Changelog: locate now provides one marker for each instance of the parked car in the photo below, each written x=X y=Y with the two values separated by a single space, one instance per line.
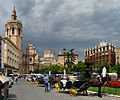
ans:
x=4 y=87
x=29 y=78
x=11 y=83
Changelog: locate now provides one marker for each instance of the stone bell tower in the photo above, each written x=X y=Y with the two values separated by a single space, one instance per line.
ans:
x=13 y=30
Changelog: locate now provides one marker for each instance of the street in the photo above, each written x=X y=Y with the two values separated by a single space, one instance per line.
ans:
x=23 y=90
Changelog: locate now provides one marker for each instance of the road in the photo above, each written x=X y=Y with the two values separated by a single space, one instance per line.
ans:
x=23 y=90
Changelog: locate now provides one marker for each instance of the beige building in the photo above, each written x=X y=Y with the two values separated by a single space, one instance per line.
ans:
x=61 y=58
x=31 y=60
x=13 y=30
x=49 y=59
x=117 y=56
x=0 y=52
x=10 y=57
x=24 y=63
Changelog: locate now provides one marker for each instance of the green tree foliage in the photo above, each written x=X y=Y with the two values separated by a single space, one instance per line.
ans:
x=79 y=67
x=54 y=68
x=42 y=71
x=115 y=69
x=87 y=70
x=70 y=59
x=104 y=64
x=61 y=69
x=88 y=67
x=36 y=71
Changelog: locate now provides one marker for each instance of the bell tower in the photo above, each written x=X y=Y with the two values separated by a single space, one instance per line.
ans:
x=13 y=30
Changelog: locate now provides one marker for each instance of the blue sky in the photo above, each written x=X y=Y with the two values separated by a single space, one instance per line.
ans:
x=58 y=24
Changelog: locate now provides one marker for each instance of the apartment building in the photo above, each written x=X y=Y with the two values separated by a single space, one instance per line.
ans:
x=117 y=56
x=104 y=52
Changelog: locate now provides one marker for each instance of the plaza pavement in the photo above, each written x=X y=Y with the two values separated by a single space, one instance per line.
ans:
x=23 y=90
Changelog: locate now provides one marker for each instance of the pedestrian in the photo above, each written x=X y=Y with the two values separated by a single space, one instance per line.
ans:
x=16 y=79
x=50 y=82
x=46 y=80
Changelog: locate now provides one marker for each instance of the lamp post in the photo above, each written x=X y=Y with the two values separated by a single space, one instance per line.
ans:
x=64 y=51
x=2 y=54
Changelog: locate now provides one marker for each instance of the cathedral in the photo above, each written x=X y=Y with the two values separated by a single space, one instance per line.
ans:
x=13 y=31
x=31 y=60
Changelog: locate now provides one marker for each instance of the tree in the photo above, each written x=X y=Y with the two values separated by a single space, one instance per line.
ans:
x=70 y=59
x=54 y=68
x=115 y=69
x=88 y=69
x=101 y=65
x=36 y=71
x=61 y=69
x=88 y=66
x=79 y=67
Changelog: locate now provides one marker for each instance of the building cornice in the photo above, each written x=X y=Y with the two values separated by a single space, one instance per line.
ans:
x=6 y=38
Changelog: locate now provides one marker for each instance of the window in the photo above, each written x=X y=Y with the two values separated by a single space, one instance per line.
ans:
x=107 y=47
x=18 y=31
x=118 y=58
x=13 y=30
x=97 y=50
x=103 y=48
x=30 y=59
x=7 y=31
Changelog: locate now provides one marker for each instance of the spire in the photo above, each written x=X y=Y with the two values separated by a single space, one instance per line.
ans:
x=13 y=16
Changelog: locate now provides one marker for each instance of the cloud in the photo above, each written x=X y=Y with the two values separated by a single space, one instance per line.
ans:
x=57 y=24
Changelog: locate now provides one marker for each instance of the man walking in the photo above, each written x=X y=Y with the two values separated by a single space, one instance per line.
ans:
x=16 y=79
x=46 y=80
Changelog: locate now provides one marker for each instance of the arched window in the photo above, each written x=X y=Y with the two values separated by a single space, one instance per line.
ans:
x=18 y=31
x=30 y=59
x=12 y=30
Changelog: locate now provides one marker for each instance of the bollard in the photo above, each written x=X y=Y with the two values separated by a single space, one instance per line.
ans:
x=31 y=81
x=36 y=83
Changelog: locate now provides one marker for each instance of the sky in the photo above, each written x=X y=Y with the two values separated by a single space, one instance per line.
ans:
x=58 y=24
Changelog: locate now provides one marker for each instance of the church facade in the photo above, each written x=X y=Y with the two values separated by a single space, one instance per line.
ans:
x=31 y=60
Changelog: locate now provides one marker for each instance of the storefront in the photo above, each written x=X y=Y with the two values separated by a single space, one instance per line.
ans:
x=10 y=70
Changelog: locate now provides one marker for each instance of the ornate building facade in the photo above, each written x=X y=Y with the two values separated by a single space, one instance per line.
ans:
x=13 y=30
x=0 y=52
x=31 y=60
x=63 y=57
x=48 y=59
x=104 y=52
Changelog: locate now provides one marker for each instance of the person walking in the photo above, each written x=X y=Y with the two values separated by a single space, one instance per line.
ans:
x=46 y=80
x=50 y=81
x=16 y=79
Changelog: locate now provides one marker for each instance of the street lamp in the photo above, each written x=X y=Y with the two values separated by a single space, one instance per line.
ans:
x=2 y=54
x=64 y=51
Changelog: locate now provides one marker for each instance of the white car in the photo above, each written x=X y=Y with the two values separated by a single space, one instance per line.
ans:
x=11 y=83
x=29 y=78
